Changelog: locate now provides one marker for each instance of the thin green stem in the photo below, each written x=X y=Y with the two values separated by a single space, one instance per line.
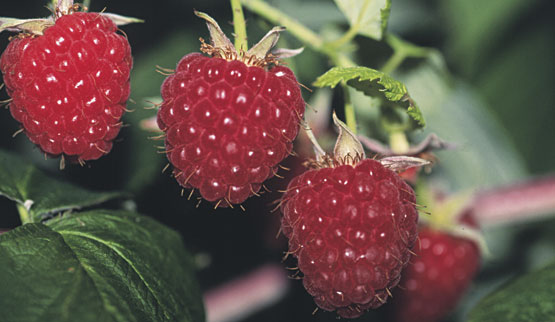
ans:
x=87 y=3
x=24 y=215
x=239 y=26
x=398 y=142
x=310 y=39
x=401 y=50
x=347 y=37
x=350 y=116
x=275 y=16
x=353 y=30
x=394 y=62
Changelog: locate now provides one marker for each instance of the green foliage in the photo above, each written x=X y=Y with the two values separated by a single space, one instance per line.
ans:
x=366 y=17
x=528 y=298
x=454 y=111
x=40 y=195
x=375 y=84
x=97 y=266
x=477 y=27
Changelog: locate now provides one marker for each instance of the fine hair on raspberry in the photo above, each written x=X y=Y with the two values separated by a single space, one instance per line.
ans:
x=351 y=228
x=69 y=86
x=228 y=125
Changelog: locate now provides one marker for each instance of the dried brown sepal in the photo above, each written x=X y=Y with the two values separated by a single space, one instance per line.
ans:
x=401 y=163
x=262 y=49
x=259 y=55
x=217 y=37
x=25 y=26
x=430 y=143
x=229 y=55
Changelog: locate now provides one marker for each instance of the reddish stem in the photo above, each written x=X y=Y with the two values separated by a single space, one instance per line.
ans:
x=246 y=295
x=519 y=202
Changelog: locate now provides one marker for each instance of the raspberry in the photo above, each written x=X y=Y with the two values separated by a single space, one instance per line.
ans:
x=228 y=125
x=439 y=273
x=69 y=86
x=351 y=228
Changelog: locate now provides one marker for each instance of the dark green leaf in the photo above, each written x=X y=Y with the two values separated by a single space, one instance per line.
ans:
x=367 y=17
x=478 y=28
x=528 y=298
x=97 y=266
x=39 y=194
x=373 y=83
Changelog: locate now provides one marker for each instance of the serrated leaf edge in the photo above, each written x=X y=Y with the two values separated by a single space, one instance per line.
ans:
x=344 y=74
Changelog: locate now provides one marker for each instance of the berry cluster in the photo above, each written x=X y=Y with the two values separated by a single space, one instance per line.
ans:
x=70 y=85
x=228 y=125
x=351 y=229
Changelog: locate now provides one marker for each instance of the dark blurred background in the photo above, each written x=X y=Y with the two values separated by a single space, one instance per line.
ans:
x=490 y=88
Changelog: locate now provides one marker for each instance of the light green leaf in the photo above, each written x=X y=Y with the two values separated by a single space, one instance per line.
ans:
x=41 y=195
x=368 y=17
x=97 y=266
x=373 y=83
x=528 y=298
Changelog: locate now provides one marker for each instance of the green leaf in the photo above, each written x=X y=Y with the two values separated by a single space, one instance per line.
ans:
x=97 y=266
x=368 y=17
x=373 y=83
x=528 y=298
x=41 y=195
x=457 y=114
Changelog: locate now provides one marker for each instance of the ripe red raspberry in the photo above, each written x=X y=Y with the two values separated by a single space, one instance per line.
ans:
x=436 y=278
x=351 y=229
x=70 y=85
x=228 y=125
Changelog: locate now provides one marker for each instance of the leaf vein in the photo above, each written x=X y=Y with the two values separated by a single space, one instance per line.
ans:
x=119 y=253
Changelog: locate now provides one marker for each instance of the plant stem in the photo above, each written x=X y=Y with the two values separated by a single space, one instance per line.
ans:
x=24 y=215
x=314 y=41
x=239 y=26
x=350 y=117
x=353 y=30
x=298 y=30
x=398 y=142
x=401 y=50
x=518 y=202
x=394 y=62
x=294 y=27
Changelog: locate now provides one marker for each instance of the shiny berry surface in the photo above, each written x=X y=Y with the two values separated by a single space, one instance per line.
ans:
x=228 y=125
x=351 y=229
x=69 y=87
x=436 y=278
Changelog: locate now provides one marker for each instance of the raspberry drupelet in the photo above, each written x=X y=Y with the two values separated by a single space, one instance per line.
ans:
x=229 y=120
x=351 y=228
x=69 y=86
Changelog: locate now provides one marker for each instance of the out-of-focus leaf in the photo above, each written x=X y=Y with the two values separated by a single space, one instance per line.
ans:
x=525 y=107
x=373 y=83
x=41 y=195
x=528 y=298
x=97 y=266
x=477 y=27
x=367 y=17
x=484 y=156
x=314 y=14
